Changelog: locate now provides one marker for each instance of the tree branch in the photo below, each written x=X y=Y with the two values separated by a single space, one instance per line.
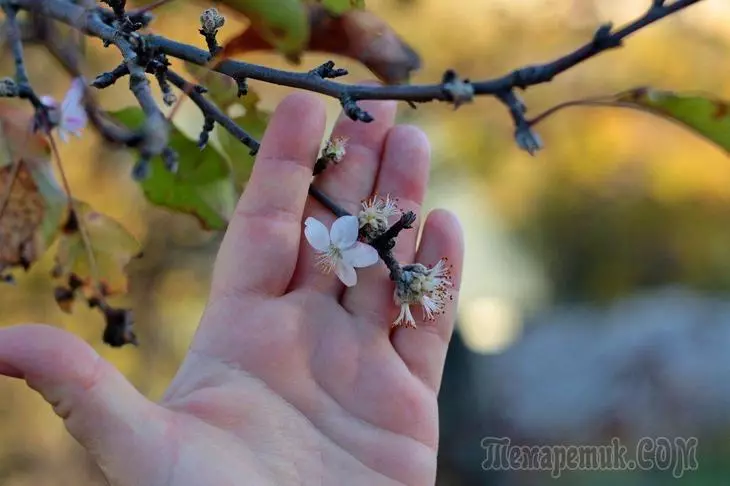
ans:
x=604 y=39
x=67 y=55
x=90 y=21
x=144 y=54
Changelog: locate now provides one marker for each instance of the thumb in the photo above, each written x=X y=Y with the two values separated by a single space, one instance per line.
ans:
x=100 y=408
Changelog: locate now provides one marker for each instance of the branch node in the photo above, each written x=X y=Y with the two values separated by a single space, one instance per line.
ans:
x=456 y=90
x=604 y=38
x=160 y=70
x=242 y=86
x=349 y=106
x=530 y=75
x=327 y=70
x=141 y=169
x=8 y=88
x=170 y=159
x=526 y=138
x=104 y=80
x=208 y=125
x=385 y=243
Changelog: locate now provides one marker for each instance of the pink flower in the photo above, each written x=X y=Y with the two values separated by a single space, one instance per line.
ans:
x=70 y=117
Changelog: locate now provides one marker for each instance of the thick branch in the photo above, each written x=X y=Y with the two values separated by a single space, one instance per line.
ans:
x=209 y=109
x=521 y=78
x=604 y=40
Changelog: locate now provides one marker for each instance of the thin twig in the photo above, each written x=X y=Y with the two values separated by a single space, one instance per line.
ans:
x=212 y=111
x=81 y=224
x=327 y=202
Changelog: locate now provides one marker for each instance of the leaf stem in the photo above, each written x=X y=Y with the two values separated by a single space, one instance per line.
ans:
x=81 y=223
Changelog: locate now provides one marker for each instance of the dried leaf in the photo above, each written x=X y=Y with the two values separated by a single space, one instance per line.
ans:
x=35 y=206
x=357 y=34
x=64 y=297
x=27 y=226
x=203 y=184
x=112 y=246
x=118 y=330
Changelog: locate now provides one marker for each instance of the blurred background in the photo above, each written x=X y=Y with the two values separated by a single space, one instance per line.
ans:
x=596 y=299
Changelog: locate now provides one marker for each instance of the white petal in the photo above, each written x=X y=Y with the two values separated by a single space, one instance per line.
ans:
x=74 y=121
x=317 y=234
x=344 y=231
x=49 y=101
x=346 y=273
x=75 y=93
x=360 y=255
x=73 y=114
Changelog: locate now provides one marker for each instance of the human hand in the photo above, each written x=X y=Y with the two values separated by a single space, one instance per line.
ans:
x=291 y=378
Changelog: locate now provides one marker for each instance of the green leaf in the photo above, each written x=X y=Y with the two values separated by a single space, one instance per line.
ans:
x=254 y=121
x=203 y=185
x=706 y=115
x=339 y=7
x=284 y=24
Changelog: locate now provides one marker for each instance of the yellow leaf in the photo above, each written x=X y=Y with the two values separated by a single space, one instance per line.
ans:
x=111 y=244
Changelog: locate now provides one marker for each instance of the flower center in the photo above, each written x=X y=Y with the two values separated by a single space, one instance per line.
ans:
x=328 y=260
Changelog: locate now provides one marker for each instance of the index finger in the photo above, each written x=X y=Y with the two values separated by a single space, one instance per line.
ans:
x=259 y=251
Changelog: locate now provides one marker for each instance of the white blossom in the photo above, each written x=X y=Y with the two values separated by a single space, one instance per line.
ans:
x=70 y=117
x=338 y=249
x=373 y=216
x=335 y=149
x=424 y=286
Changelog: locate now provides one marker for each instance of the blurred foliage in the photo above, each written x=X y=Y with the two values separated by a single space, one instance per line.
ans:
x=617 y=201
x=202 y=185
x=282 y=24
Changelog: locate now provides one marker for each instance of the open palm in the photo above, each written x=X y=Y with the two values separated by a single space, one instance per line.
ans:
x=292 y=378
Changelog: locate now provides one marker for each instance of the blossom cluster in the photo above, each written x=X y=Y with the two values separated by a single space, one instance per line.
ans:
x=340 y=250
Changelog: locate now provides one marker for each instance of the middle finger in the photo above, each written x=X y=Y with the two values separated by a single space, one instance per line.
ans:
x=347 y=183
